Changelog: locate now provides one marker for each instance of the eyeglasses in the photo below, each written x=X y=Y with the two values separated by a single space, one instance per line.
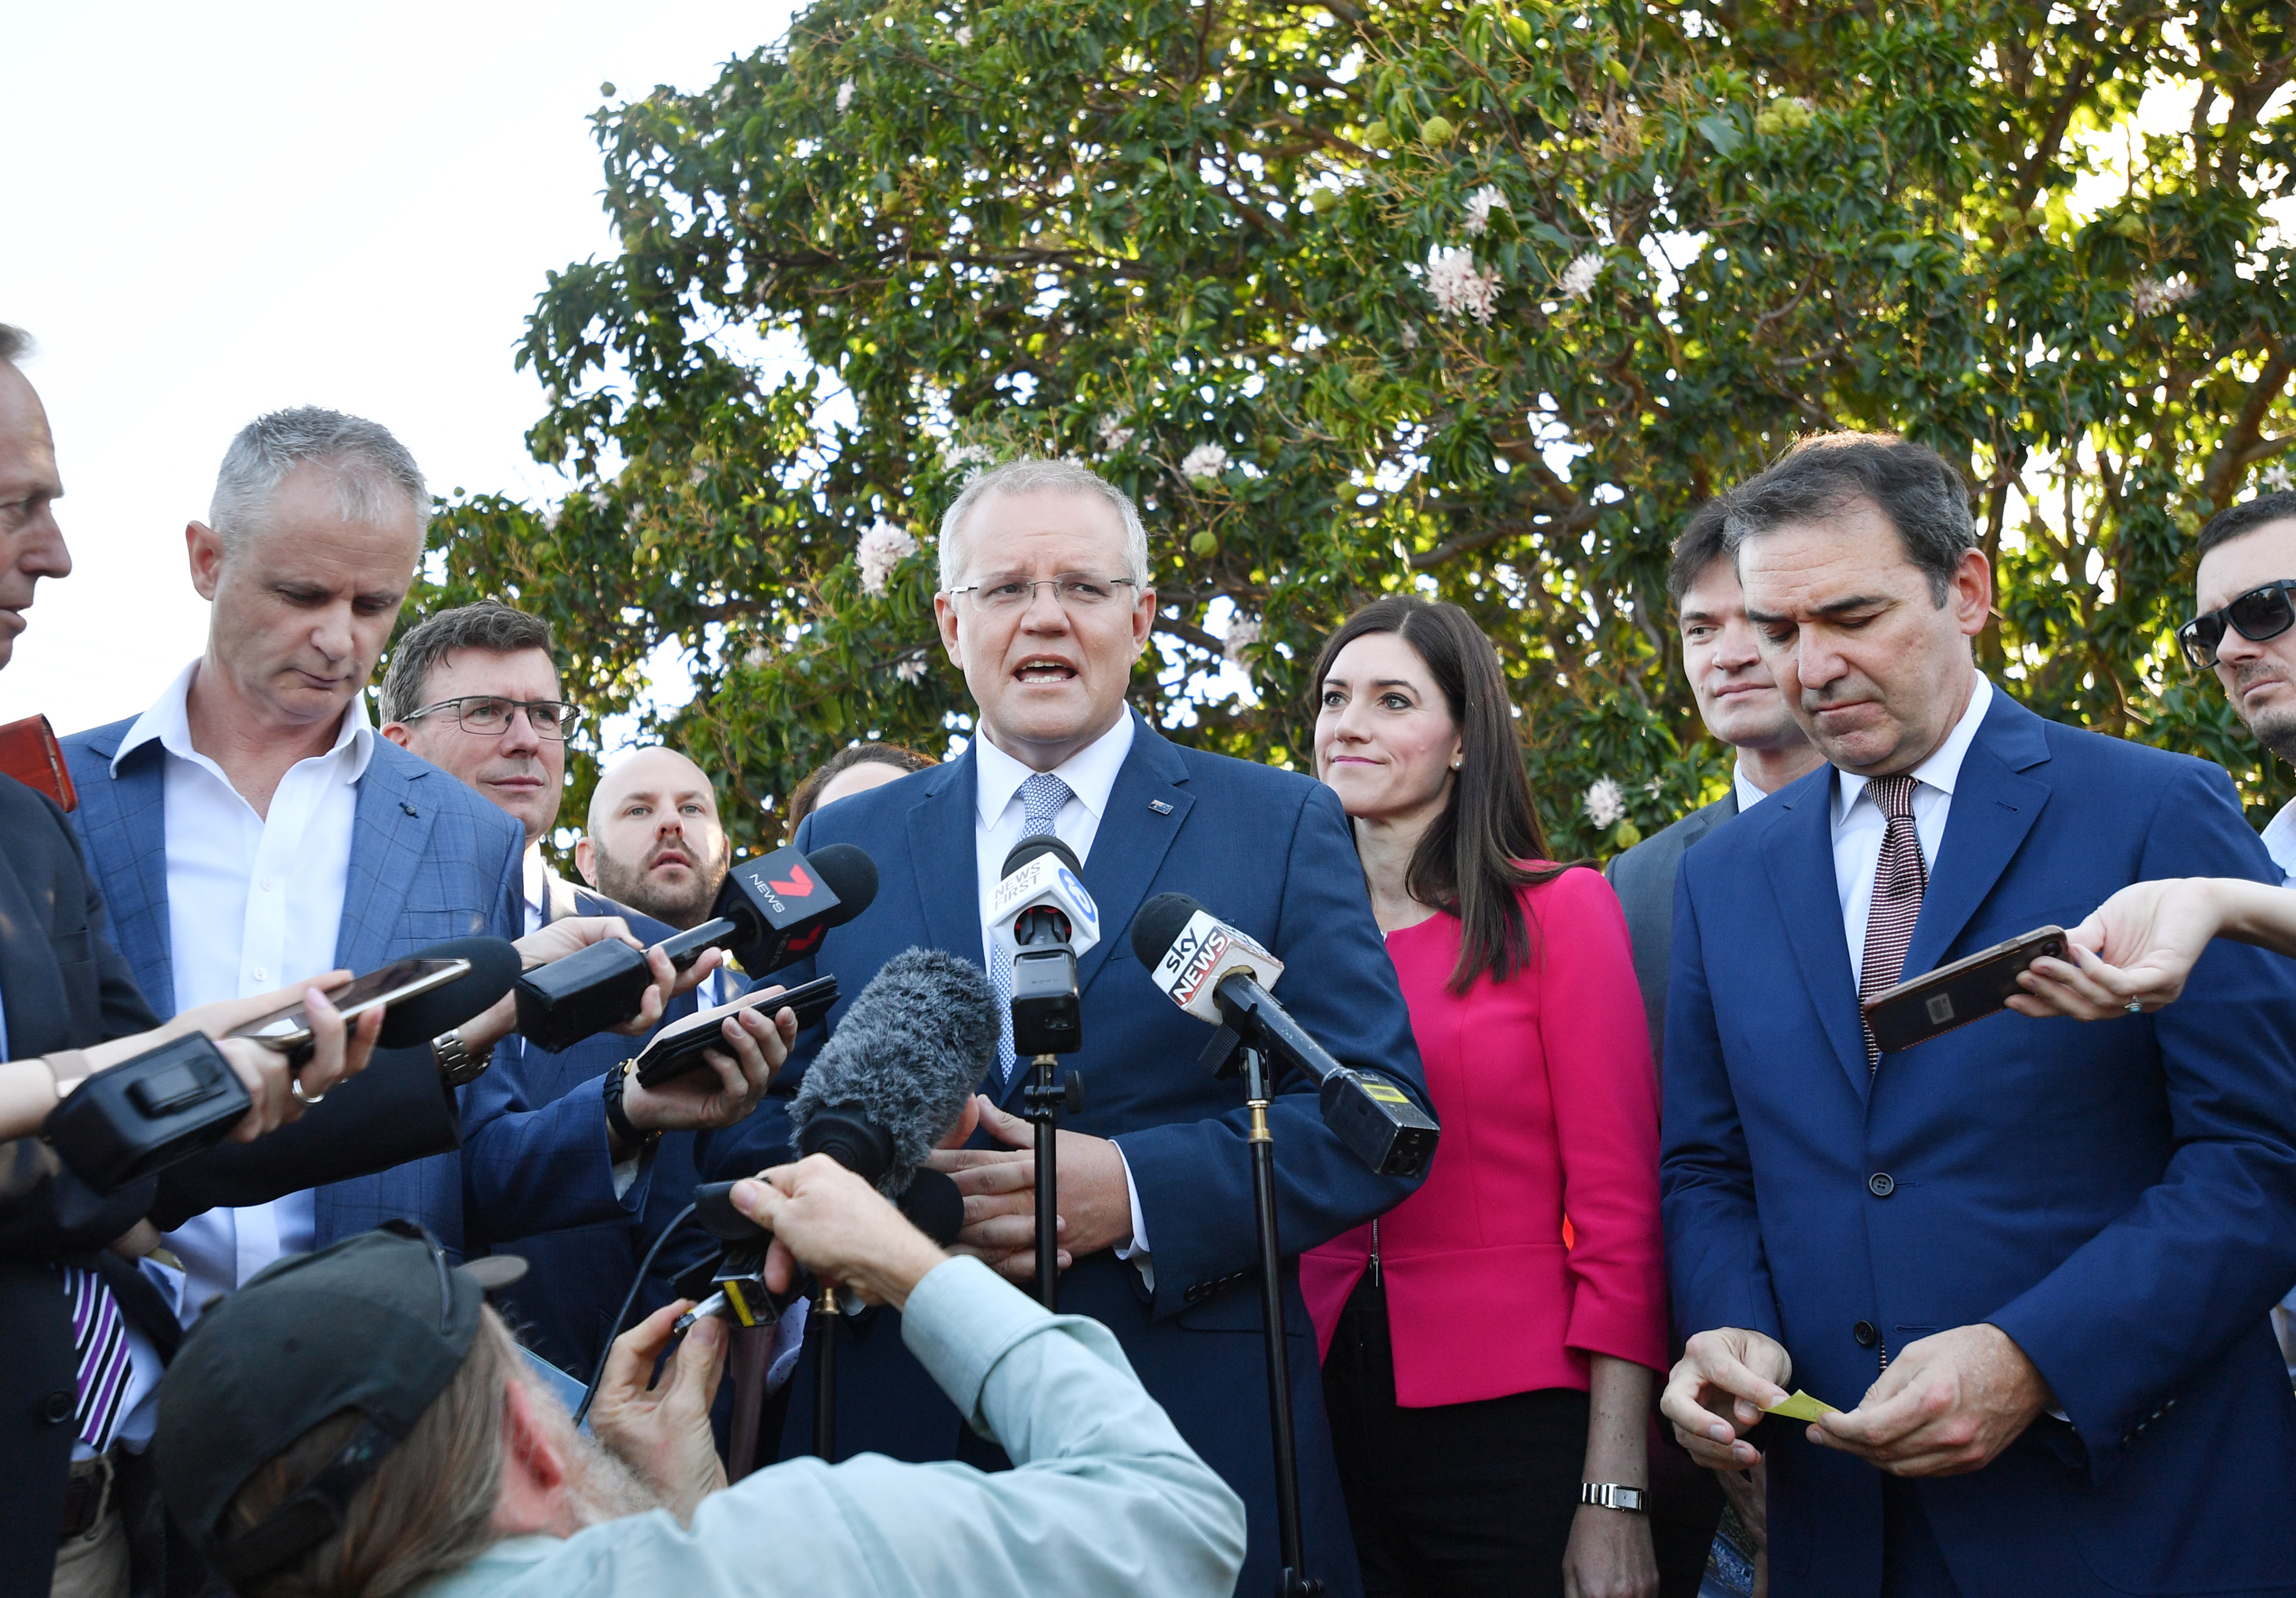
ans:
x=491 y=718
x=1073 y=592
x=2257 y=615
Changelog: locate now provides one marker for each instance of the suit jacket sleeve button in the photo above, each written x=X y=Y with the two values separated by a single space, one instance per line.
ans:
x=1880 y=1184
x=1864 y=1333
x=58 y=1406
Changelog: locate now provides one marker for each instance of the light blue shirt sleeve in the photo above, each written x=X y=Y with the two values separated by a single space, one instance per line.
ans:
x=1104 y=1497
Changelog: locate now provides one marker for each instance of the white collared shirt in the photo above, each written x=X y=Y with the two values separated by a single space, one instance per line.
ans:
x=2280 y=843
x=254 y=903
x=998 y=817
x=1749 y=795
x=1858 y=824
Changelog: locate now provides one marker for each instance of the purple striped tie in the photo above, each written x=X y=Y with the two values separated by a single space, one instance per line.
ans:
x=1900 y=880
x=100 y=1342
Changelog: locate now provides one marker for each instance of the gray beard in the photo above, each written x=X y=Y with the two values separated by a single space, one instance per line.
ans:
x=2277 y=733
x=627 y=885
x=604 y=1488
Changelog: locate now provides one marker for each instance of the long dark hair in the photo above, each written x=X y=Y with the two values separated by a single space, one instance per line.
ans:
x=1465 y=862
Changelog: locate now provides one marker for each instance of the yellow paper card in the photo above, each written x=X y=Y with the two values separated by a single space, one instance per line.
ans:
x=1800 y=1406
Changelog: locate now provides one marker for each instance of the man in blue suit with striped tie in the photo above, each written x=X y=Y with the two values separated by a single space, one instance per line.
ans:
x=2030 y=1260
x=1045 y=607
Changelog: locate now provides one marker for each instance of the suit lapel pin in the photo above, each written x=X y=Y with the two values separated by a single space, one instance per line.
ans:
x=410 y=809
x=1159 y=807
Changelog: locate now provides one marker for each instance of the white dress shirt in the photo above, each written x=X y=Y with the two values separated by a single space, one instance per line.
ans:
x=254 y=902
x=1749 y=795
x=1858 y=824
x=998 y=818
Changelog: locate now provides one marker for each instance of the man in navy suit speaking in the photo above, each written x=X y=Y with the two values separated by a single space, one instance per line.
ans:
x=1045 y=607
x=2031 y=1259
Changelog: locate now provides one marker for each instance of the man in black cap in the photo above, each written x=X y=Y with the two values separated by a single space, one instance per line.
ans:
x=356 y=1420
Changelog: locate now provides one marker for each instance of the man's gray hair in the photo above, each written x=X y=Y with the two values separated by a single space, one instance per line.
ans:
x=1030 y=475
x=371 y=470
x=489 y=625
x=15 y=344
x=1924 y=497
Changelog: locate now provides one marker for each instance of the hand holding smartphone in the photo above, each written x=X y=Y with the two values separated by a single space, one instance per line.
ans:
x=289 y=1031
x=1953 y=996
x=677 y=1048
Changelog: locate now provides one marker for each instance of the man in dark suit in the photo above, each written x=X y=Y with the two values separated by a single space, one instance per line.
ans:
x=549 y=1172
x=2031 y=1258
x=1045 y=607
x=1740 y=705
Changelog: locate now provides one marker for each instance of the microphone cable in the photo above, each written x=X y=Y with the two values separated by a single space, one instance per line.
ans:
x=622 y=1315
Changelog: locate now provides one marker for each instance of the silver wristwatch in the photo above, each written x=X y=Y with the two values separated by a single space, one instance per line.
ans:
x=1609 y=1495
x=456 y=1064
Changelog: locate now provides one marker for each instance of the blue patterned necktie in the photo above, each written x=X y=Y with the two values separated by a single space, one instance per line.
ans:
x=1042 y=797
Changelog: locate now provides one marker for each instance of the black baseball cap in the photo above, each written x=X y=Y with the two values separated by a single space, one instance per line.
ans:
x=379 y=1323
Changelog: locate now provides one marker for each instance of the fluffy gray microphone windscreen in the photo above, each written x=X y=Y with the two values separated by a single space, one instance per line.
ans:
x=906 y=1054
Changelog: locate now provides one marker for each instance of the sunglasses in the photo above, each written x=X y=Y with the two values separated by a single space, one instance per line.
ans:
x=2257 y=615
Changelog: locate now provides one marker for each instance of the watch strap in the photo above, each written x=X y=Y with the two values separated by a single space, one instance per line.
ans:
x=1610 y=1495
x=456 y=1064
x=617 y=1119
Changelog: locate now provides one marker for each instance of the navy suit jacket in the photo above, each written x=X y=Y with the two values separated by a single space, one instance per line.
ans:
x=431 y=859
x=2118 y=1197
x=537 y=1179
x=1271 y=852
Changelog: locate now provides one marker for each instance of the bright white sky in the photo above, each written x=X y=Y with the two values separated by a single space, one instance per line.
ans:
x=215 y=211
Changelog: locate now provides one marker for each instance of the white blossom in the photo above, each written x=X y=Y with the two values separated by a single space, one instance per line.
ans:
x=755 y=655
x=911 y=670
x=844 y=95
x=1205 y=459
x=966 y=455
x=2275 y=478
x=1410 y=335
x=2151 y=294
x=1606 y=804
x=882 y=547
x=1242 y=633
x=1577 y=279
x=1480 y=205
x=1113 y=435
x=963 y=36
x=1460 y=287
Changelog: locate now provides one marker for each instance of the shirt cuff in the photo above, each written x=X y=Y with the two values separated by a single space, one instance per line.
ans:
x=625 y=1171
x=1139 y=1247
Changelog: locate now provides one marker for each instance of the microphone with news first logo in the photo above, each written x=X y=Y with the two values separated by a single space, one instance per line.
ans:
x=772 y=910
x=1043 y=920
x=1221 y=975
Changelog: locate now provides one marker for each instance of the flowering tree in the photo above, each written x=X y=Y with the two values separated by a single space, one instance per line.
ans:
x=1482 y=300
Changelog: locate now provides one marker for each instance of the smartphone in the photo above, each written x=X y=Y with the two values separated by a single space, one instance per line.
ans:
x=1954 y=996
x=289 y=1030
x=678 y=1047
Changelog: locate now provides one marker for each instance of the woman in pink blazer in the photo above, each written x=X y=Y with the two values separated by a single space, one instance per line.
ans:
x=1485 y=1358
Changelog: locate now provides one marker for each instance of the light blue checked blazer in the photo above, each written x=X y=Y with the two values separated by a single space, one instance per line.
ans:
x=431 y=859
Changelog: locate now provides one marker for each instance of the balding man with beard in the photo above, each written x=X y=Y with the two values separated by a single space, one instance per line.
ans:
x=654 y=842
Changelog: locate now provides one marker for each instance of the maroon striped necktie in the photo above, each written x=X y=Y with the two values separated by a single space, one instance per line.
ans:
x=1900 y=880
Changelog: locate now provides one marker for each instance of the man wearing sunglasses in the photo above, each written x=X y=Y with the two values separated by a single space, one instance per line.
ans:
x=475 y=691
x=2246 y=630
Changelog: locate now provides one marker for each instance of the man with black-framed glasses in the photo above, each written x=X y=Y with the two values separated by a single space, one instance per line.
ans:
x=475 y=691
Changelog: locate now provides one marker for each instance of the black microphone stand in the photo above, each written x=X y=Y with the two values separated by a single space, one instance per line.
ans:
x=824 y=1314
x=1227 y=1054
x=1041 y=1103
